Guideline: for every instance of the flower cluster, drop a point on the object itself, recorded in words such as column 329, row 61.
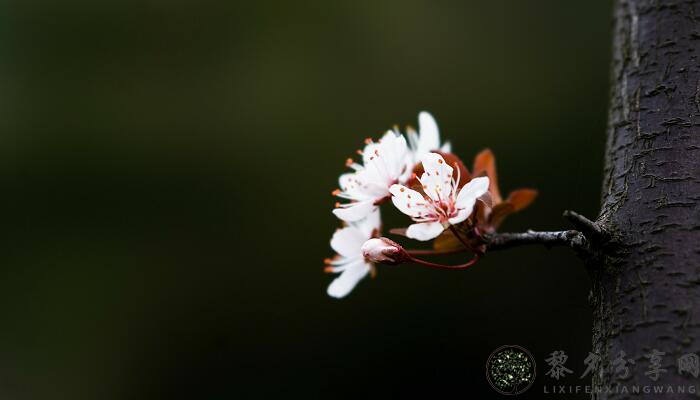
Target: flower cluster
column 428, row 183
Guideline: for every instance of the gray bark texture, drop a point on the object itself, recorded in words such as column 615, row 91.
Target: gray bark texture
column 646, row 274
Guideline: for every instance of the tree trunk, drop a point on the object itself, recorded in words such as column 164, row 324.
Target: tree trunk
column 646, row 280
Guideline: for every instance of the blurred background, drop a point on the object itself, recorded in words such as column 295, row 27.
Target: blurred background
column 166, row 169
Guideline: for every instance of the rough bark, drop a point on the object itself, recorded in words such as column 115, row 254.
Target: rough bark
column 646, row 278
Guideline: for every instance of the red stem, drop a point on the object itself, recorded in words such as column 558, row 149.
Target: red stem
column 466, row 265
column 434, row 252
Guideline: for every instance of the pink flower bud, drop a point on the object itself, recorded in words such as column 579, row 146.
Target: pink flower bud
column 382, row 250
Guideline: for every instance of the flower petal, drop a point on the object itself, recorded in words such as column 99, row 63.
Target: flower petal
column 395, row 155
column 429, row 138
column 461, row 216
column 408, row 201
column 424, row 231
column 437, row 178
column 413, row 139
column 348, row 241
column 354, row 211
column 369, row 225
column 387, row 157
column 352, row 186
column 343, row 284
column 470, row 192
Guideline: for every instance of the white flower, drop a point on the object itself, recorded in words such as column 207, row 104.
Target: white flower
column 381, row 250
column 426, row 140
column 350, row 262
column 384, row 164
column 442, row 206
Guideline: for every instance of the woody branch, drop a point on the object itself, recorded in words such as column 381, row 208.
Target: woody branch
column 579, row 240
column 500, row 241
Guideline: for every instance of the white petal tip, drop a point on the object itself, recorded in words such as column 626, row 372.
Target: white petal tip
column 424, row 231
column 335, row 293
column 354, row 212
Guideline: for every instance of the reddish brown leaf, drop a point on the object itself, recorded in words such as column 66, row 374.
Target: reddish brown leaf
column 499, row 213
column 447, row 242
column 485, row 164
column 517, row 200
column 487, row 199
column 481, row 214
column 521, row 198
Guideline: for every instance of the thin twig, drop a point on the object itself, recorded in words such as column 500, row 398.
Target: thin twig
column 579, row 240
column 591, row 229
column 500, row 241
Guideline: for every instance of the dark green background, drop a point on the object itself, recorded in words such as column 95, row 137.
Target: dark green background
column 166, row 169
